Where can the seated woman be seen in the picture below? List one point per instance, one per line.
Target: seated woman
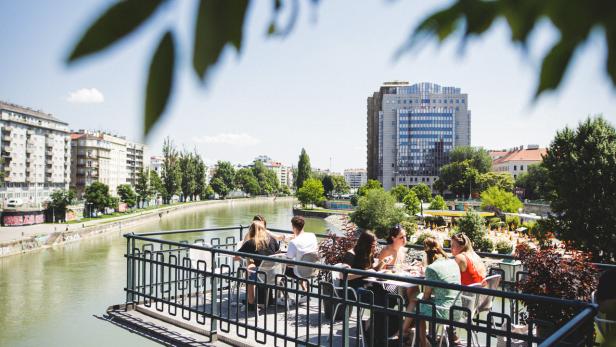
(440, 269)
(258, 241)
(260, 219)
(472, 269)
(362, 257)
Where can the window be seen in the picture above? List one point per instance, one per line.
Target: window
(515, 168)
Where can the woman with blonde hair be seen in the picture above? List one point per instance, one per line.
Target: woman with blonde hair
(442, 269)
(472, 269)
(258, 241)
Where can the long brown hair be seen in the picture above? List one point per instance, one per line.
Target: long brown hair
(364, 256)
(258, 233)
(433, 249)
(465, 243)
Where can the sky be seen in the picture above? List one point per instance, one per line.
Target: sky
(306, 90)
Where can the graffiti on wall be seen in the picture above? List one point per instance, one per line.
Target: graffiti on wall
(23, 219)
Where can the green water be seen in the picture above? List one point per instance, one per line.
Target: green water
(49, 297)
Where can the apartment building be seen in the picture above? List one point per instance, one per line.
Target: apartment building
(35, 154)
(516, 160)
(101, 157)
(355, 178)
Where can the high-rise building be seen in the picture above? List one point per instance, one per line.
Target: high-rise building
(106, 158)
(355, 178)
(412, 129)
(35, 152)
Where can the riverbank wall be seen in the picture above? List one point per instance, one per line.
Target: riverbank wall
(72, 234)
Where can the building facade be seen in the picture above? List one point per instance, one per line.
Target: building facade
(516, 161)
(101, 157)
(283, 173)
(412, 129)
(35, 153)
(355, 178)
(156, 164)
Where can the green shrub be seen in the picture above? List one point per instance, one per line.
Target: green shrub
(473, 225)
(494, 222)
(483, 244)
(410, 227)
(422, 237)
(504, 247)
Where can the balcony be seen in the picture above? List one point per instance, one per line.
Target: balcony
(6, 138)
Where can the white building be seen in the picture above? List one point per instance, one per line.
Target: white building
(156, 164)
(35, 153)
(106, 158)
(516, 160)
(283, 173)
(356, 178)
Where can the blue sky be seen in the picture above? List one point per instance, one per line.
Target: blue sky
(306, 90)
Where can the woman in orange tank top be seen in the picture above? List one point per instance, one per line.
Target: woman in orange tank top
(472, 269)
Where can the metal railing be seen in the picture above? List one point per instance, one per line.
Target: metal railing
(200, 283)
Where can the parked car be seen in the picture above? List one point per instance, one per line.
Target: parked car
(14, 203)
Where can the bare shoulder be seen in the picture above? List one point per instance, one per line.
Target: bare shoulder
(460, 259)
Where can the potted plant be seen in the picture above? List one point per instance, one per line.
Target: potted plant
(504, 247)
(557, 272)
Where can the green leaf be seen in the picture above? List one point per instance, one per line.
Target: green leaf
(118, 21)
(160, 81)
(554, 65)
(218, 22)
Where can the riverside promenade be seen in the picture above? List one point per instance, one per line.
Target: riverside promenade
(21, 239)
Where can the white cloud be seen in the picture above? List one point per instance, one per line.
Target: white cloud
(242, 139)
(86, 96)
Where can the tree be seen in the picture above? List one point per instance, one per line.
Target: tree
(501, 180)
(440, 186)
(200, 171)
(142, 186)
(340, 185)
(438, 203)
(223, 179)
(311, 192)
(188, 182)
(247, 182)
(328, 184)
(266, 178)
(423, 192)
(60, 199)
(156, 185)
(303, 169)
(497, 199)
(127, 194)
(473, 225)
(399, 192)
(478, 158)
(377, 211)
(460, 178)
(171, 175)
(581, 167)
(98, 198)
(412, 203)
(370, 185)
(534, 182)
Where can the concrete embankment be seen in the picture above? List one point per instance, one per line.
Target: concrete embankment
(74, 232)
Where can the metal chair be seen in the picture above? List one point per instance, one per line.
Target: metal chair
(337, 288)
(267, 274)
(606, 327)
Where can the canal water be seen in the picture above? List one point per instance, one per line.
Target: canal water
(50, 297)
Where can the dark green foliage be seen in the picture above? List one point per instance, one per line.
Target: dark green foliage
(399, 192)
(247, 182)
(354, 200)
(412, 203)
(483, 244)
(377, 211)
(266, 178)
(188, 170)
(422, 237)
(200, 172)
(171, 174)
(478, 158)
(328, 184)
(410, 227)
(97, 194)
(504, 247)
(473, 225)
(574, 21)
(60, 199)
(466, 171)
(127, 194)
(581, 168)
(500, 180)
(303, 169)
(423, 192)
(534, 182)
(570, 276)
(370, 185)
(223, 181)
(160, 81)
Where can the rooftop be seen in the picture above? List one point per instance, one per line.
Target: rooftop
(534, 154)
(29, 111)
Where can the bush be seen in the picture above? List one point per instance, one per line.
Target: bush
(438, 203)
(504, 247)
(377, 211)
(483, 244)
(494, 222)
(439, 221)
(512, 221)
(410, 227)
(557, 273)
(422, 237)
(354, 200)
(473, 225)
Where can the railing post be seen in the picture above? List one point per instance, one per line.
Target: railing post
(130, 274)
(214, 290)
(241, 233)
(345, 321)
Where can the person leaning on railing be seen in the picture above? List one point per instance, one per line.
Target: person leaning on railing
(258, 241)
(362, 257)
(442, 269)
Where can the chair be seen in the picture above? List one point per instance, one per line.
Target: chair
(267, 273)
(606, 327)
(307, 272)
(484, 302)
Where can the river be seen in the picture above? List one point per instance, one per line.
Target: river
(49, 297)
